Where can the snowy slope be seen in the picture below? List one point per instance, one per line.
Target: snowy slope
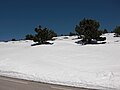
(64, 62)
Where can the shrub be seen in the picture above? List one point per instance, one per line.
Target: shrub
(13, 39)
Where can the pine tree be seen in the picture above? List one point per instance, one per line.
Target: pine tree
(43, 34)
(88, 30)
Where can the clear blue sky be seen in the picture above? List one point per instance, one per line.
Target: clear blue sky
(20, 17)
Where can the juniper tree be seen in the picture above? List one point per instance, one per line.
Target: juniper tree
(88, 30)
(43, 34)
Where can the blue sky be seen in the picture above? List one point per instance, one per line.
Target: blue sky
(20, 17)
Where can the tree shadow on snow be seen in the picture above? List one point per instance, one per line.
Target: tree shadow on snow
(92, 42)
(45, 43)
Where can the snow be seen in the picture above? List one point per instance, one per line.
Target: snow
(64, 62)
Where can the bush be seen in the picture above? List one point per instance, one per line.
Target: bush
(13, 39)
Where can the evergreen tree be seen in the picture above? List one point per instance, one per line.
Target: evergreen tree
(88, 30)
(41, 36)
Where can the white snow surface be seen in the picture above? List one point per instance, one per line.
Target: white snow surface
(64, 62)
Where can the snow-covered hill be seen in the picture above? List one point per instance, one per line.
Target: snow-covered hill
(64, 62)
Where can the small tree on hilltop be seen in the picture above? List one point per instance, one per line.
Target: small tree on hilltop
(117, 31)
(43, 35)
(88, 30)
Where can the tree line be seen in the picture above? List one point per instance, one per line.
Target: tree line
(87, 30)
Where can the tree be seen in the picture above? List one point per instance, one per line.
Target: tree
(43, 35)
(88, 30)
(117, 31)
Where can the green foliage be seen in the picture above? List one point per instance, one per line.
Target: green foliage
(42, 35)
(88, 29)
(117, 31)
